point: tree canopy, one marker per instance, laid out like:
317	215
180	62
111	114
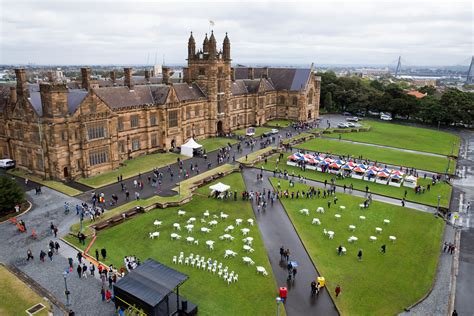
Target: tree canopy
10	195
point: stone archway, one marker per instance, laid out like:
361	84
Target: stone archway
220	128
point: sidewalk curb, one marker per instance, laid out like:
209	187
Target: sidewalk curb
454	272
22	213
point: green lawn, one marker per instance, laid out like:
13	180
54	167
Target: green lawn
55	185
258	131
429	197
214	143
388	156
279	123
296	137
131	168
381	284
210	292
16	297
401	136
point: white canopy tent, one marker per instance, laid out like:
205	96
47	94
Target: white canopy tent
219	187
188	148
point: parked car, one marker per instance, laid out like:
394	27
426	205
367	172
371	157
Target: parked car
274	131
374	113
352	119
250	131
7	163
385	117
346	114
360	113
350	124
342	125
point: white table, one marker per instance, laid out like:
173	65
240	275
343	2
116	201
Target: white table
337	216
330	234
248	240
206	214
175	236
392	238
373	238
247	260
213	223
316	221
238	221
352	238
229	253
245	231
261	270
210	243
386	221
247	248
177	226
378	230
362	218
190	240
157	223
189	227
343	250
320	210
250	221
352	227
229	228
227	237
205	230
192	220
342	207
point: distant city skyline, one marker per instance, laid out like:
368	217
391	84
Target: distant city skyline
336	33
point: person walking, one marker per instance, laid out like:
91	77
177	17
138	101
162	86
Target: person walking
56	247
79	257
79	271
313	288
84	271
103	252
42	255
92	268
71	264
55	231
102	294
382	249
108	295
359	255
50	254
97	254
282	253
29	254
338	290
287	255
294	273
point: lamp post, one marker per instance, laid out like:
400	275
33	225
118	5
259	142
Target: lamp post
66	291
278	301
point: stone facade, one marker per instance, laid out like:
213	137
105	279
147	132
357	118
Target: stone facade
61	131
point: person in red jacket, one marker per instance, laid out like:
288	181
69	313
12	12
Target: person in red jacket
108	295
338	290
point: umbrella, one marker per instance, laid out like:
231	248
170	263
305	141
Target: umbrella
294	264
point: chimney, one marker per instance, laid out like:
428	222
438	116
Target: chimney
113	77
50	76
166	75
13	97
265	72
250	75
86	78
128	78
147	75
21	84
232	74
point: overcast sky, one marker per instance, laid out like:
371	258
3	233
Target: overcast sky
323	32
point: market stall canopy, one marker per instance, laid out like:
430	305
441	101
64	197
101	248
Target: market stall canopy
219	187
188	148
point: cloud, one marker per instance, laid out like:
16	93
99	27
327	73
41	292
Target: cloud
301	32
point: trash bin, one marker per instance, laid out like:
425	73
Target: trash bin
283	292
321	281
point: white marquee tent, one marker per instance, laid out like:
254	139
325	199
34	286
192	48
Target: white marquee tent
188	148
219	187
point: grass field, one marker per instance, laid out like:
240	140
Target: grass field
279	123
214	143
16	297
295	138
258	131
380	284
252	295
131	168
401	136
429	197
55	185
384	155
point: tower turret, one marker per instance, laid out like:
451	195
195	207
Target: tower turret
226	48
191	47
205	45
212	46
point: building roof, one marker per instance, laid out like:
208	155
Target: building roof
291	79
74	98
151	282
187	92
417	94
238	87
122	96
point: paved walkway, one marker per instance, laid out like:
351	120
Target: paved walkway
48	207
277	230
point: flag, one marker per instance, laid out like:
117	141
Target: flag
211	22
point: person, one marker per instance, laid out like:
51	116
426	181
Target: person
445	246
289	267
56	246
382	249
55	231
79	270
359	255
71	264
287	254
313	288
282	253
294	273
71	313
42	255
108	295
79	257
84	270
103	252
50	254
30	255
92	268
97	254
338	290
339	250
455	313
102	294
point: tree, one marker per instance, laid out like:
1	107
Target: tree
10	195
430	90
328	104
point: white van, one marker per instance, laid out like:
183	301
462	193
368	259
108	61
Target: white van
7	163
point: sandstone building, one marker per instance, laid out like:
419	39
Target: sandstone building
70	131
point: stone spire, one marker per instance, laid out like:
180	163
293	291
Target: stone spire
205	45
226	47
191	47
